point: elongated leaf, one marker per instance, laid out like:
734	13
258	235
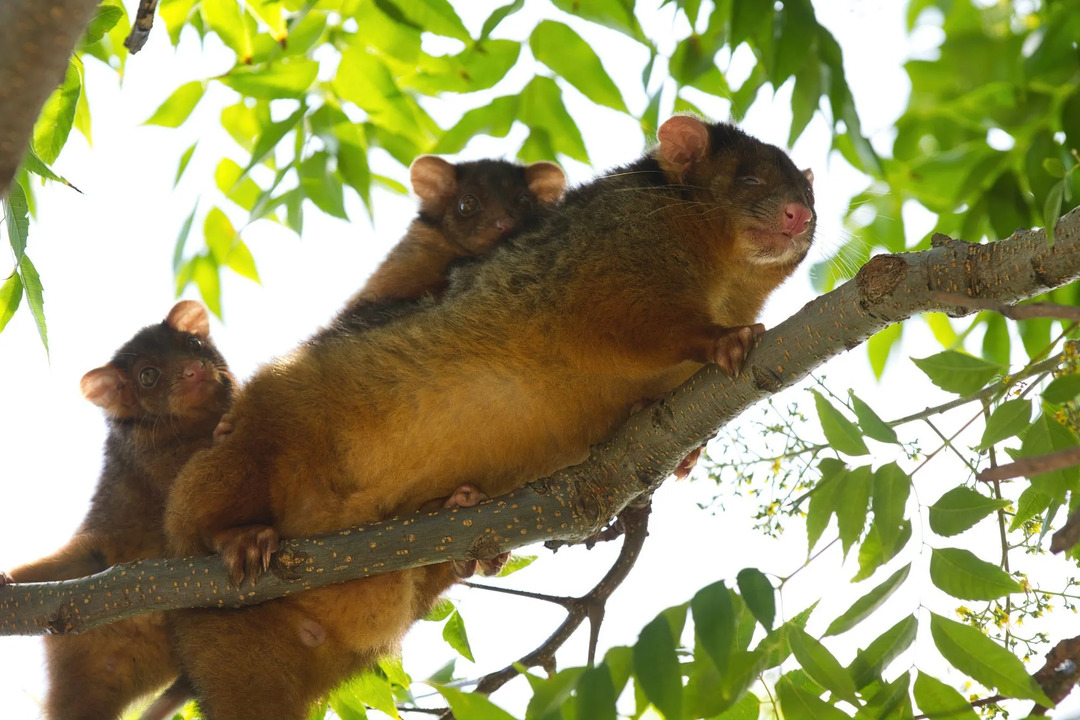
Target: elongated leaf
872	425
241	261
886	702
798	703
941	702
181	240
891	487
747	708
104	18
880	345
820	665
869	663
203	271
1062	389
435	16
178	106
873	553
454	634
971	652
823	499
714	622
1052	208
515	563
497	16
184	160
596	694
269	11
472	705
270	137
224	17
35	297
956	372
542	109
615	14
11	293
440	611
963	575
759	595
959	509
841	434
57	116
563	50
282	80
17	219
33	164
550	694
1010	418
852	503
657	668
375	691
868	603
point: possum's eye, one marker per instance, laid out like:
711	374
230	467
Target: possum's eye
148	376
524	201
750	180
194	343
468	205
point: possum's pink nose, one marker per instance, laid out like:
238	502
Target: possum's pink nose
504	225
796	216
194	370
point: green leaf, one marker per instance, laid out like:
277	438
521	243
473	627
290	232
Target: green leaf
956	372
868	603
270	12
245	193
656	668
286	79
219	233
852	502
181	240
619	660
748	707
493	119
971	652
1062	390
963	575
203	271
440	611
497	16
552	693
570	57
891	487
1010	418
615	14
57	116
1052	209
872	425
515	563
436	16
178	106
798	703
959	509
454	634
880	345
31	282
542	110
759	595
103	20
184	160
472	706
869	663
33	164
240	261
225	18
892	700
175	13
841	434
820	665
395	671
270	136
375	692
873	553
11	293
941	702
805	98
17	219
322	186
714	622
823	499
596	694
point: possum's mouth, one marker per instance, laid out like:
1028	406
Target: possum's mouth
769	245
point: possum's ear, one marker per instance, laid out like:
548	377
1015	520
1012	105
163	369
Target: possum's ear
434	180
546	181
809	176
106	387
189	316
684	140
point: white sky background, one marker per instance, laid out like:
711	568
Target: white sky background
104	258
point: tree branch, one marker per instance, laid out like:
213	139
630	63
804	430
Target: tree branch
1035	465
36	39
575	503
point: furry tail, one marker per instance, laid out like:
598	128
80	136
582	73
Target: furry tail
169	702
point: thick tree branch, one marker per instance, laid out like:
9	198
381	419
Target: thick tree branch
1030	466
36	39
575	503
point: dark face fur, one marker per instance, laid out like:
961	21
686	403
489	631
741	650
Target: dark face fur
479	204
168	370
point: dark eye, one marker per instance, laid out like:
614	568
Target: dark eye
524	201
468	205
148	376
750	180
194	343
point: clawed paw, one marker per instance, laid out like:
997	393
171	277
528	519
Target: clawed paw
246	551
688	463
465	496
731	345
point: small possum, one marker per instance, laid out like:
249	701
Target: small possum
162	393
629	287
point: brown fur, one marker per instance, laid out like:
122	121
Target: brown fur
530	358
152	432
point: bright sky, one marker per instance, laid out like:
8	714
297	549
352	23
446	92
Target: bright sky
104	258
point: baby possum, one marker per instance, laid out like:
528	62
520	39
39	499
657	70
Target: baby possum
633	283
162	393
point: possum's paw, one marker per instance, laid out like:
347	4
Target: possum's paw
465	496
5	579
688	463
731	345
224	427
245	550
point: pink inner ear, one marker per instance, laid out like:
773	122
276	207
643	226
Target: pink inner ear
102	386
546	181
809	176
189	316
433	179
683	139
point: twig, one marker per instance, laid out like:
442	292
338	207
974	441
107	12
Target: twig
140	29
1068	535
635	521
1029	466
1013	312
